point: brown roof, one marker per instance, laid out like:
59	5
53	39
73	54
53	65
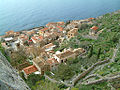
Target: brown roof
24	37
60	23
31	32
17	33
30	69
49	45
10	32
51	23
94	28
39	61
79	50
52	61
65	54
74	30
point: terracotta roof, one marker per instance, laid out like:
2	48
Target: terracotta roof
30	40
30	69
37	38
30	32
24	37
10	32
44	29
91	18
94	28
17	33
34	38
60	23
41	37
52	61
60	28
51	23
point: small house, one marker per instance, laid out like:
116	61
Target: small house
28	70
49	47
93	30
42	31
41	65
53	63
63	56
72	33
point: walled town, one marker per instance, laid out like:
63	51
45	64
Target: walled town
67	52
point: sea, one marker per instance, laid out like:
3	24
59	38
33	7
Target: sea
25	14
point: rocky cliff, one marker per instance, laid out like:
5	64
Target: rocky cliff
9	78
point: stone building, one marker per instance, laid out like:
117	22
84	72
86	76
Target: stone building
72	33
41	65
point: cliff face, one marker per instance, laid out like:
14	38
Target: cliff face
9	78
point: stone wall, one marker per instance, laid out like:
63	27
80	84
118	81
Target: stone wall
9	78
80	76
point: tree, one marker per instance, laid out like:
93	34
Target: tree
91	51
83	26
64	72
4	52
99	52
18	57
45	85
33	79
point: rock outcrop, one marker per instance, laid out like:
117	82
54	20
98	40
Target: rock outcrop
9	78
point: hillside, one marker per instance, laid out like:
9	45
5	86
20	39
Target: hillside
78	54
9	78
104	45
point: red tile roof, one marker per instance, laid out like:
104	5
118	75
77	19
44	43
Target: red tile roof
30	69
44	29
60	28
52	61
94	28
34	38
37	38
30	40
24	37
91	18
41	37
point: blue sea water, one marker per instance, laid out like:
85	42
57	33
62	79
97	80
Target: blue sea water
25	14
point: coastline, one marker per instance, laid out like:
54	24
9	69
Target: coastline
84	46
65	22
